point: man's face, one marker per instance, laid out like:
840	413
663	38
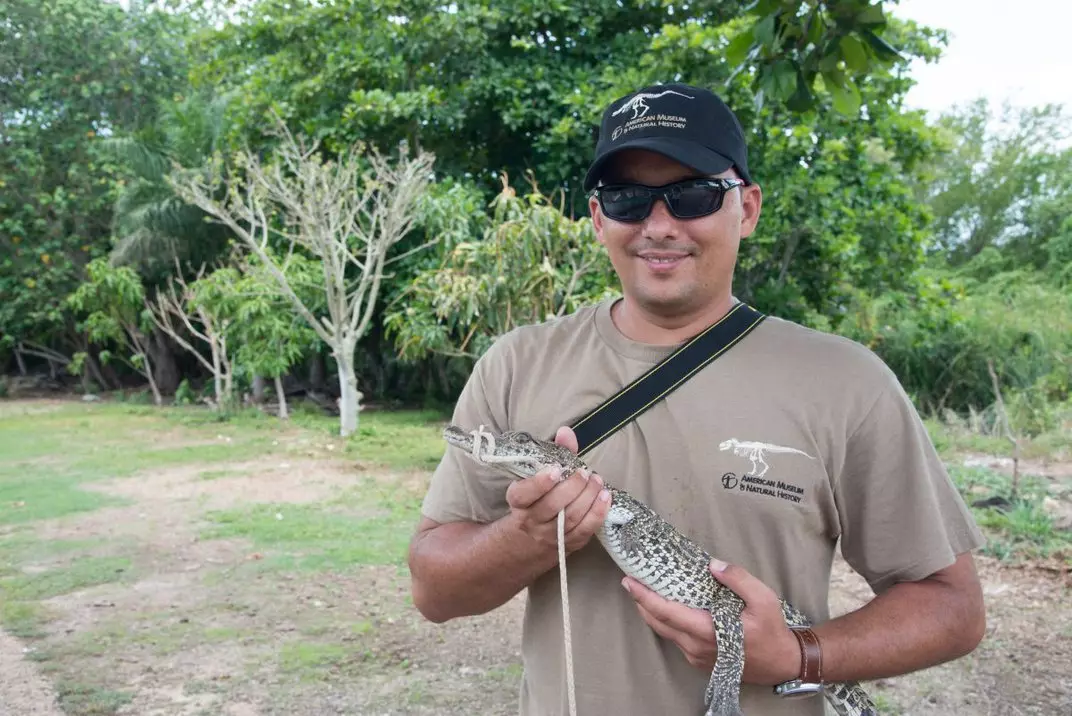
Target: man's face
670	266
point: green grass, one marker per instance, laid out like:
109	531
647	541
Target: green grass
953	440
312	661
25	620
50	455
1023	529
81	699
326	536
79	574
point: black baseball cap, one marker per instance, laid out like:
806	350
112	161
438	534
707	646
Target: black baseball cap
689	124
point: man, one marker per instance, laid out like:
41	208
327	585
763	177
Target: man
790	441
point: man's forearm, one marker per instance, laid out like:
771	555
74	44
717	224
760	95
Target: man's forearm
462	569
910	626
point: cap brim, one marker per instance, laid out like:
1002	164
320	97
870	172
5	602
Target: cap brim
691	154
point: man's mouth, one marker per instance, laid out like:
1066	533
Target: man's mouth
661	261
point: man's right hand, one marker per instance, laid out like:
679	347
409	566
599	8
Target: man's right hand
536	502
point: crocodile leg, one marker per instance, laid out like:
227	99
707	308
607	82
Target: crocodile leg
723	696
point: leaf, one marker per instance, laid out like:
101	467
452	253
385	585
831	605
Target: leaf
846	98
737	50
854	53
882	48
872	15
783	80
763	31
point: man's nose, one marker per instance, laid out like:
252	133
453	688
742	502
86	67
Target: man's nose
660	222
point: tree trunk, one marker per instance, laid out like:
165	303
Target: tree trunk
259	384
21	362
157	398
283	415
217	378
349	396
165	368
95	372
316	372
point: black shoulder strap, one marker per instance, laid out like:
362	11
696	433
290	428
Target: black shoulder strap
664	377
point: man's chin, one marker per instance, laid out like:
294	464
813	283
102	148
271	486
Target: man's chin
665	303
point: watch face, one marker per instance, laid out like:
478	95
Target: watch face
797	689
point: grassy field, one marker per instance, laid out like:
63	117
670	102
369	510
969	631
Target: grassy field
163	561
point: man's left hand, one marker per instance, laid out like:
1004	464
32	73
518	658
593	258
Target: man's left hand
772	653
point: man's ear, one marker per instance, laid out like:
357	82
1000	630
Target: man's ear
751	204
597	217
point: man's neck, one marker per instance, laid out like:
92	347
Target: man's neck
643	326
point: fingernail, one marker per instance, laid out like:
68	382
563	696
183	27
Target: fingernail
604	495
586	473
556	474
625	585
599	479
718	565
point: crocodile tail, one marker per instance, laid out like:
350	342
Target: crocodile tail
849	699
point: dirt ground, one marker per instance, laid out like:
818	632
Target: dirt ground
203	631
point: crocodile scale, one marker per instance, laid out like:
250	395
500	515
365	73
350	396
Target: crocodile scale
649	549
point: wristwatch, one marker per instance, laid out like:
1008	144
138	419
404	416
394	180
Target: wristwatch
810	681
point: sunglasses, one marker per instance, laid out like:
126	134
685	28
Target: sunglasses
688	199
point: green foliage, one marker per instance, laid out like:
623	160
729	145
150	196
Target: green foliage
940	338
153	227
824	45
527	264
112	304
75	71
1003	182
269	335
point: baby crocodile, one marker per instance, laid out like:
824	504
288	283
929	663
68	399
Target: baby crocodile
653	552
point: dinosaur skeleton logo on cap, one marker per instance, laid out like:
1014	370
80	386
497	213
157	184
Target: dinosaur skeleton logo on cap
640	107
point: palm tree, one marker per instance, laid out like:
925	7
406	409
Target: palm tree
151	225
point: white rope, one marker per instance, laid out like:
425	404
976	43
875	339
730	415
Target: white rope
479	436
566	612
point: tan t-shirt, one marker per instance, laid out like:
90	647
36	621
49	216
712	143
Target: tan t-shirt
788	442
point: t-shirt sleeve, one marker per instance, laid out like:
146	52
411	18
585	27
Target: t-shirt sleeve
461	489
902	518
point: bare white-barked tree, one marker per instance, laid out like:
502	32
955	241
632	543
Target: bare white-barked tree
347	213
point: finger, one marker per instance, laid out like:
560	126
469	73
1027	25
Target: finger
567	438
658	626
675	614
696	652
749	588
592	520
579	508
558	498
522	494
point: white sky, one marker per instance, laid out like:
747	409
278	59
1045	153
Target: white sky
1017	50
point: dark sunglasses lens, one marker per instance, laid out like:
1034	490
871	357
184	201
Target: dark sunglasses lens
697	200
630	203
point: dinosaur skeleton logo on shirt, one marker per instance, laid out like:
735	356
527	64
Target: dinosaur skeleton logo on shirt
754	482
754	451
640	107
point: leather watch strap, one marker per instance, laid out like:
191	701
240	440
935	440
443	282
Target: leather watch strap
811	656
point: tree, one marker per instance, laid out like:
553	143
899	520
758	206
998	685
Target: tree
270	335
801	49
193	313
113	303
152	226
511	85
524	263
71	72
346	214
1002	180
